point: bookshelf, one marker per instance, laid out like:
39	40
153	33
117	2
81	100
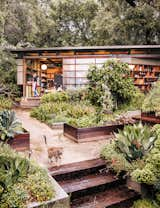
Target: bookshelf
144	76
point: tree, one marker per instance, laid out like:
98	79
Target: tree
119	23
73	21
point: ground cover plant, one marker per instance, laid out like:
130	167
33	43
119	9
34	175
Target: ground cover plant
21	180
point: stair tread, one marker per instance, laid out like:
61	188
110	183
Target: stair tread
104	199
78	166
85	182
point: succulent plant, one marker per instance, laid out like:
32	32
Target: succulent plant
9	125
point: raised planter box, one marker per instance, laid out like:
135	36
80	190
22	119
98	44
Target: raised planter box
58	125
148	118
61	199
92	133
21	142
146	191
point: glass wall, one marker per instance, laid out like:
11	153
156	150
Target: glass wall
75	70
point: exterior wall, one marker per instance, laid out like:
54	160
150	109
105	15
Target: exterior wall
75	69
19	71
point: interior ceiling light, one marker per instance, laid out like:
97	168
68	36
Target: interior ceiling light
44	67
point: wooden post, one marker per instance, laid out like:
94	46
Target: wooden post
24	77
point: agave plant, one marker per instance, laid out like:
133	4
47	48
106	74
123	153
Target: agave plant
9	125
134	141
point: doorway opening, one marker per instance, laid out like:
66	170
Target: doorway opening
43	76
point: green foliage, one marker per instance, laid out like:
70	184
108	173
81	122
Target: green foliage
76	95
150	173
144	203
9	125
39	187
144	176
91	22
21	181
78	114
15	196
8	81
135	141
110	82
55	97
5	103
129	149
152	100
116	161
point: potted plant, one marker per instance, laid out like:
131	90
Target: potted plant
11	131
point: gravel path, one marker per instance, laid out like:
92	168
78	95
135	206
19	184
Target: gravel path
72	152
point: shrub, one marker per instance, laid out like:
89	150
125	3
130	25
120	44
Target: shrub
114	75
55	97
127	151
152	100
5	103
144	176
76	95
135	141
144	203
21	181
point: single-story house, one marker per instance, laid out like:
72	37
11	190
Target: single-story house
67	67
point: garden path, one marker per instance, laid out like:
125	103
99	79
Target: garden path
72	152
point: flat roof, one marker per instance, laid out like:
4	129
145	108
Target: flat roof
83	48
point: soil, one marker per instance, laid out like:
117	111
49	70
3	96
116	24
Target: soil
72	152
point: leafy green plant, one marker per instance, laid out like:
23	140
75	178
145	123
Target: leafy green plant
113	75
9	125
22	181
76	95
135	141
152	100
128	150
144	203
55	97
5	103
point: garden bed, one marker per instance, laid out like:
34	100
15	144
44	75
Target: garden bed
58	125
148	118
90	133
21	142
60	200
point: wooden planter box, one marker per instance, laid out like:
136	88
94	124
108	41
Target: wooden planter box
61	199
92	133
21	142
146	191
148	118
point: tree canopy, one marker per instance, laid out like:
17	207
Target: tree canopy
78	22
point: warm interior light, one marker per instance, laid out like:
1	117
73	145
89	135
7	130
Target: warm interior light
131	66
44	67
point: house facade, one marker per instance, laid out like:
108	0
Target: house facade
67	67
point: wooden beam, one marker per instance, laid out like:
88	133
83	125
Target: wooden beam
24	77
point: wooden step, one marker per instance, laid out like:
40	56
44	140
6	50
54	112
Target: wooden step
119	197
74	170
87	182
147	119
